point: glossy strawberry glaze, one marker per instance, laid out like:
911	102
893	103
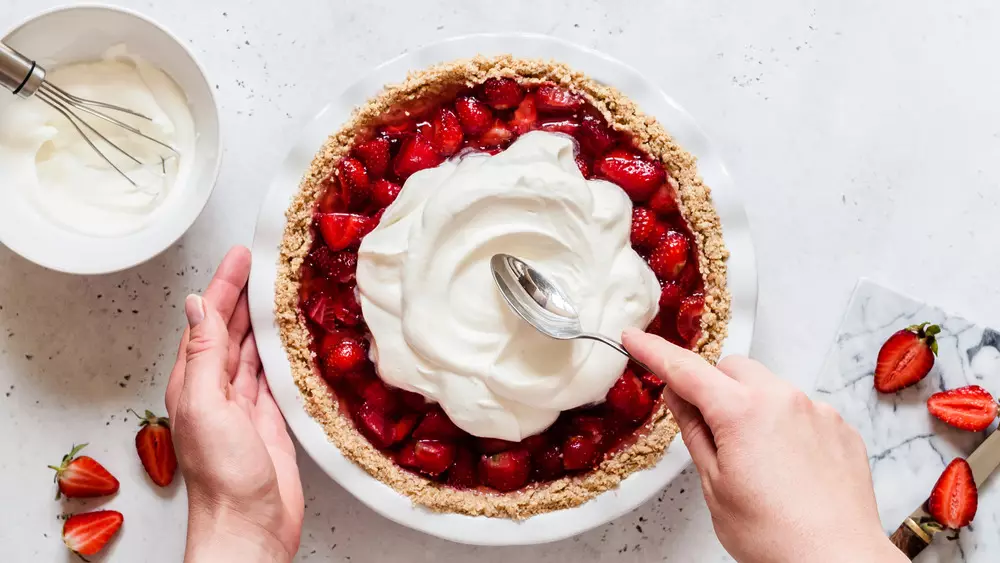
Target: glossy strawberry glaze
417	434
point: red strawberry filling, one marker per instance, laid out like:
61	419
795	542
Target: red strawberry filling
417	434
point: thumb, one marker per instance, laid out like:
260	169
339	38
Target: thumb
207	349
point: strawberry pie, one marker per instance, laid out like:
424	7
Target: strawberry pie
399	342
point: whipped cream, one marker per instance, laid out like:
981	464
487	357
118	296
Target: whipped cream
441	328
45	159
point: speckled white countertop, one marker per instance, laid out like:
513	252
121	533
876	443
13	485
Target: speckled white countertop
866	137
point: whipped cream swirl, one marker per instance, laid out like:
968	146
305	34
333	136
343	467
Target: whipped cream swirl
441	328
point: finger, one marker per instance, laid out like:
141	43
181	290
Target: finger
712	392
224	290
695	433
245	382
239	326
176	382
207	351
273	431
748	372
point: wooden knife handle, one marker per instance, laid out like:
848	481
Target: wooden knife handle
910	538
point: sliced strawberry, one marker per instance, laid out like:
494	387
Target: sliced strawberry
548	463
346	307
335	198
380	430
446	132
498	135
337	266
526	117
474	115
493	445
689	318
385	192
505	471
955	498
637	176
579	452
344	356
554	99
341	230
593	427
583	165
670	256
83	477
671	295
664	200
156	448
906	358
433	457
567	126
87	534
415	154
321	310
407	455
643	221
463	473
595	136
399	129
437	426
354	176
380	397
970	408
628	399
655	326
375	155
502	93
402	428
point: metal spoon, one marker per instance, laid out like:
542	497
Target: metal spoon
540	302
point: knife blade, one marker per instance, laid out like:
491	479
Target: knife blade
911	537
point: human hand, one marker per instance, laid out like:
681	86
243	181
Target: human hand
785	478
244	494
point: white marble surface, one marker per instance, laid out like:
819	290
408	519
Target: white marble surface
907	448
864	135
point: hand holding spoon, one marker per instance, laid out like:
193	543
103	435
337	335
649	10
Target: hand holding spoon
540	302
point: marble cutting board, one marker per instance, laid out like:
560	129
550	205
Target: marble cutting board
907	448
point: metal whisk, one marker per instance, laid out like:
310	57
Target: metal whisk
25	78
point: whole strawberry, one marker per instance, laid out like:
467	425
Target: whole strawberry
906	358
156	448
83	477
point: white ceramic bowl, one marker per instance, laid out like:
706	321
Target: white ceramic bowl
82	33
637	488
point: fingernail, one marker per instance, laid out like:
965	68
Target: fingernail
194	308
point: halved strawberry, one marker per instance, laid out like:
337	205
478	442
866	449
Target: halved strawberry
970	408
155	447
345	306
664	200
583	165
380	430
955	498
555	99
446	132
463	472
83	477
380	396
474	115
502	93
593	427
548	463
337	266
643	221
498	135
594	135
344	356
88	533
433	457
689	318
671	295
526	116
670	256
375	155
567	126
628	399
580	452
398	129
493	445
341	230
385	192
906	358
437	426
535	443
415	154
354	176
505	471
632	173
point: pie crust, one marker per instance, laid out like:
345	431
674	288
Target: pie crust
622	114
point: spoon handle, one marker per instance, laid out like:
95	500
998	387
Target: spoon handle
616	345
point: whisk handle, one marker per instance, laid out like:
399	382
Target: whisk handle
18	73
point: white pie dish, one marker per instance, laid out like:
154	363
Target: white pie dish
84	33
547	527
